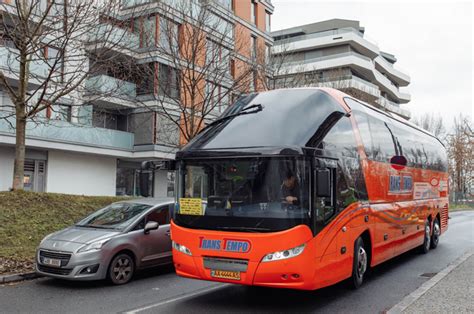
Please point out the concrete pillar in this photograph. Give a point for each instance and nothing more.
(161, 183)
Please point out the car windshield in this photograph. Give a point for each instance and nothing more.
(114, 216)
(259, 194)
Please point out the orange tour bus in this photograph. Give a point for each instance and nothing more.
(303, 188)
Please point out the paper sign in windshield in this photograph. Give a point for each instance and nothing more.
(190, 206)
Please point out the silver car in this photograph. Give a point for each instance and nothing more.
(112, 242)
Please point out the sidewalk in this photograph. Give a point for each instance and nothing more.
(450, 291)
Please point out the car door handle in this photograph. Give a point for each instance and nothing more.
(168, 233)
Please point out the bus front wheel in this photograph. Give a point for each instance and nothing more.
(359, 266)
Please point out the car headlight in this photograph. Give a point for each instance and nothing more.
(181, 248)
(93, 246)
(275, 256)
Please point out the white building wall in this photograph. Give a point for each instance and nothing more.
(73, 173)
(7, 159)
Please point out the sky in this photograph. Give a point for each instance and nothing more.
(432, 41)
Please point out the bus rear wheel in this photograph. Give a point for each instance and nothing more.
(425, 247)
(359, 266)
(435, 234)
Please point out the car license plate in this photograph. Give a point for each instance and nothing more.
(225, 274)
(52, 262)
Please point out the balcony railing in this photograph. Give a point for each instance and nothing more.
(9, 63)
(70, 133)
(339, 31)
(116, 36)
(394, 107)
(110, 86)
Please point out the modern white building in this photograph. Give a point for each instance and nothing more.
(335, 53)
(97, 148)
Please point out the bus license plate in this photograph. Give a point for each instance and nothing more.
(52, 262)
(225, 274)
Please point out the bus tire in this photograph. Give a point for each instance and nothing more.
(359, 266)
(435, 234)
(425, 247)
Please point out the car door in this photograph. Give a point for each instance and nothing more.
(156, 245)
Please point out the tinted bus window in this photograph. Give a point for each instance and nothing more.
(385, 137)
(362, 121)
(340, 140)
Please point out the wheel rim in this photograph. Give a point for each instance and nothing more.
(361, 262)
(122, 269)
(427, 236)
(436, 232)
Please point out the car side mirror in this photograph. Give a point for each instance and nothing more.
(323, 183)
(151, 225)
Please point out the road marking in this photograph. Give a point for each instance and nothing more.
(415, 295)
(182, 297)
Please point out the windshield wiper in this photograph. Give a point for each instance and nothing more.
(256, 108)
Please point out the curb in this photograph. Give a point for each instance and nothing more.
(415, 295)
(18, 277)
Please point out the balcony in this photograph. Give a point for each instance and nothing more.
(113, 37)
(394, 107)
(70, 133)
(111, 86)
(10, 65)
(351, 82)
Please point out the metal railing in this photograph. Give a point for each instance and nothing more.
(71, 133)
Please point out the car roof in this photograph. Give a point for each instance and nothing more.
(150, 200)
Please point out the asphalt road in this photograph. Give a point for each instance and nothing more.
(161, 291)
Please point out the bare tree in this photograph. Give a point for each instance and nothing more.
(432, 123)
(460, 152)
(48, 45)
(199, 62)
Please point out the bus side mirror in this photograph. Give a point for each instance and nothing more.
(323, 183)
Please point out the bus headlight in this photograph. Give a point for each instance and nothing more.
(181, 248)
(275, 256)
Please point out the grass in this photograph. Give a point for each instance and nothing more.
(455, 208)
(26, 217)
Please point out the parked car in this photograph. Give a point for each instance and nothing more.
(112, 242)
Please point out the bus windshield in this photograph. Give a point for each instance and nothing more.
(240, 194)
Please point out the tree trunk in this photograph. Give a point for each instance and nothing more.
(19, 168)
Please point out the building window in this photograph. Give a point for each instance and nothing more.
(145, 79)
(128, 179)
(267, 54)
(217, 56)
(149, 31)
(54, 60)
(267, 21)
(253, 47)
(217, 97)
(65, 113)
(169, 36)
(168, 82)
(253, 12)
(167, 131)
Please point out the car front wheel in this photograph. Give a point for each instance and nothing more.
(121, 269)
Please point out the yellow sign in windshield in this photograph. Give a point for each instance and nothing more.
(190, 206)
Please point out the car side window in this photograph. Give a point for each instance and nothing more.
(140, 225)
(160, 215)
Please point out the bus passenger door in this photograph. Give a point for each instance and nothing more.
(326, 208)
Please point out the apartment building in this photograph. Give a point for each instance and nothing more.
(335, 53)
(94, 144)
